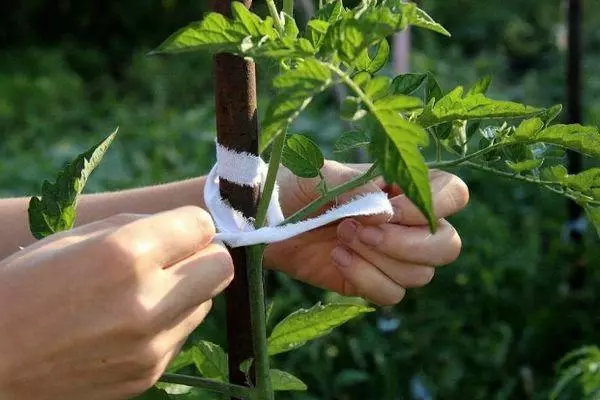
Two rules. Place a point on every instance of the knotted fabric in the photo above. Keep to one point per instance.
(249, 170)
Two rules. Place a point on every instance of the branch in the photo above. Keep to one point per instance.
(209, 384)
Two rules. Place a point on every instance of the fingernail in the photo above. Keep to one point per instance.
(341, 257)
(347, 231)
(371, 235)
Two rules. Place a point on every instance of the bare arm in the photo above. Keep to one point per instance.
(14, 225)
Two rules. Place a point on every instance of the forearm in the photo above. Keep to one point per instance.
(14, 225)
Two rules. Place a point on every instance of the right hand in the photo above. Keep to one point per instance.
(98, 312)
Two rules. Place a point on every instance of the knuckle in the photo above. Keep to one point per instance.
(116, 248)
(199, 217)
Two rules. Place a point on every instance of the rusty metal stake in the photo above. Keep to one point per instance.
(237, 129)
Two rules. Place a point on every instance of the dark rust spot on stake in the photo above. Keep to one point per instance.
(237, 129)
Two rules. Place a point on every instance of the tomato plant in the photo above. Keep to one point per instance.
(398, 120)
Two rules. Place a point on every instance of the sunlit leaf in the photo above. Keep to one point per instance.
(455, 106)
(295, 90)
(304, 325)
(527, 165)
(584, 139)
(184, 358)
(210, 360)
(481, 86)
(54, 211)
(302, 156)
(284, 381)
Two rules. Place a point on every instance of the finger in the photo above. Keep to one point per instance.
(450, 195)
(162, 239)
(176, 334)
(76, 235)
(197, 279)
(411, 244)
(367, 280)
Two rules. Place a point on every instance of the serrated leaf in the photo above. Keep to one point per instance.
(395, 145)
(407, 83)
(433, 91)
(296, 89)
(54, 211)
(284, 381)
(153, 393)
(378, 87)
(302, 156)
(291, 30)
(382, 53)
(454, 106)
(398, 103)
(245, 34)
(210, 360)
(550, 114)
(583, 139)
(527, 165)
(362, 79)
(184, 358)
(350, 140)
(304, 325)
(481, 86)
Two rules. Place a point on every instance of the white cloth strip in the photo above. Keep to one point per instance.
(239, 167)
(236, 230)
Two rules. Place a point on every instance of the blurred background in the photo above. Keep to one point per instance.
(491, 326)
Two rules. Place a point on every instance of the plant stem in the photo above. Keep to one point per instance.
(209, 384)
(263, 205)
(275, 15)
(288, 7)
(263, 389)
(315, 205)
(464, 159)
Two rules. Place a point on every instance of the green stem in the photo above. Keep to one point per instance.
(263, 389)
(464, 159)
(209, 384)
(288, 7)
(263, 205)
(275, 15)
(316, 205)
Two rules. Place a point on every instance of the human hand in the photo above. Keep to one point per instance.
(99, 312)
(369, 257)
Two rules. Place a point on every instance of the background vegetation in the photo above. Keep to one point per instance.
(491, 326)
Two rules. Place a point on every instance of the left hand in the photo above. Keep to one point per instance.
(370, 257)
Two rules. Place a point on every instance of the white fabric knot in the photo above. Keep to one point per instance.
(249, 170)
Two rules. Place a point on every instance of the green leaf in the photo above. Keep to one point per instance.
(350, 140)
(351, 109)
(295, 89)
(153, 393)
(382, 53)
(378, 87)
(527, 165)
(284, 381)
(395, 145)
(398, 103)
(407, 83)
(291, 30)
(423, 20)
(481, 86)
(184, 358)
(302, 156)
(550, 114)
(454, 106)
(304, 325)
(584, 139)
(362, 79)
(433, 89)
(245, 34)
(593, 214)
(54, 211)
(210, 360)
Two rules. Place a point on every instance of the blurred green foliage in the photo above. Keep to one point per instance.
(491, 326)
